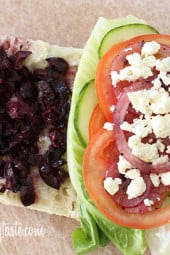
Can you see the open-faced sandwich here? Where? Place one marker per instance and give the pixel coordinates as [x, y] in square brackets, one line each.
[118, 142]
[118, 133]
[36, 80]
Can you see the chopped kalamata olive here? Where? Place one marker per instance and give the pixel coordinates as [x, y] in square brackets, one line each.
[30, 102]
[19, 168]
[2, 165]
[27, 192]
[28, 90]
[54, 154]
[54, 178]
[61, 88]
[59, 64]
[58, 138]
[12, 109]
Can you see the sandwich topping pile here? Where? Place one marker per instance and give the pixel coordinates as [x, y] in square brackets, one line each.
[119, 150]
[34, 108]
[142, 127]
[134, 143]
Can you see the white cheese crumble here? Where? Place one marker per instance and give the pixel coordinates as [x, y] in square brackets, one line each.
[112, 185]
[134, 72]
[168, 149]
[149, 101]
[127, 169]
[163, 64]
[145, 151]
[132, 174]
[165, 77]
[148, 202]
[139, 127]
[138, 68]
[161, 125]
[123, 165]
[136, 188]
[108, 126]
[161, 160]
[150, 48]
[114, 77]
[155, 179]
[165, 178]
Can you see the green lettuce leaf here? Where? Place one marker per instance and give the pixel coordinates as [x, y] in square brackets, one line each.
[89, 237]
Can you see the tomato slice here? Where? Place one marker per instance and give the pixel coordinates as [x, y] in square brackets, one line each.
[97, 159]
[97, 121]
[104, 88]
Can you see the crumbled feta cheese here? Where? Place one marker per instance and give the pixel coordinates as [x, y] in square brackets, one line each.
[140, 101]
[123, 165]
[136, 188]
[165, 178]
[132, 73]
[127, 169]
[165, 77]
[148, 202]
[139, 127]
[150, 48]
[138, 68]
[112, 185]
[114, 78]
[161, 125]
[157, 83]
[132, 174]
[134, 59]
[155, 179]
[145, 151]
[150, 101]
[160, 145]
[156, 98]
[161, 160]
[168, 149]
[149, 61]
[163, 64]
[108, 126]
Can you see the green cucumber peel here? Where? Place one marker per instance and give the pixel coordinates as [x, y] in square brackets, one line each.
[116, 35]
[84, 111]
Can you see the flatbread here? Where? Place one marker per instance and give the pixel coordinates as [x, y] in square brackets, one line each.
[63, 201]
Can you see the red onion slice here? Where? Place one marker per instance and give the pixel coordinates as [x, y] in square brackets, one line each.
[121, 198]
[121, 142]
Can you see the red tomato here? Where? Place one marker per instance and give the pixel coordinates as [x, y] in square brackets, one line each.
[104, 88]
[97, 159]
[97, 121]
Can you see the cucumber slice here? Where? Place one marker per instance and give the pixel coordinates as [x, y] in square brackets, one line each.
[84, 111]
[121, 33]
